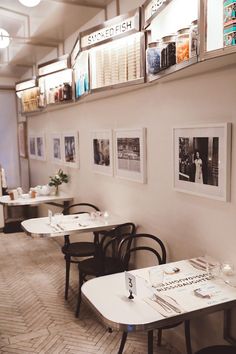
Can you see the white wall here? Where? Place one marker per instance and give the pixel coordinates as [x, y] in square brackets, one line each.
[8, 142]
[188, 225]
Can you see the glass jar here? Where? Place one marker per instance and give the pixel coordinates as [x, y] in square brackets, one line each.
[229, 11]
[168, 51]
[153, 58]
[182, 45]
[230, 34]
[67, 91]
[193, 39]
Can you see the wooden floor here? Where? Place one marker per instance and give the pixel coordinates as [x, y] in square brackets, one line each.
[34, 318]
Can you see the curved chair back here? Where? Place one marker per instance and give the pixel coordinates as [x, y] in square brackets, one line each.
[128, 247]
[80, 208]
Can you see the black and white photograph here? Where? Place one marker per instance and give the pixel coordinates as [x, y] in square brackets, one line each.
[130, 154]
[102, 161]
[32, 146]
[199, 160]
[40, 148]
[56, 149]
[202, 160]
[70, 145]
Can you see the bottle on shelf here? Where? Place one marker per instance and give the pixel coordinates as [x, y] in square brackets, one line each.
[67, 91]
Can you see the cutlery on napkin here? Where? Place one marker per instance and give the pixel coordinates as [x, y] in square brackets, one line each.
[166, 305]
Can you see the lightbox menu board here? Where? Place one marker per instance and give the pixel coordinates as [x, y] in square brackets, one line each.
[115, 51]
[28, 93]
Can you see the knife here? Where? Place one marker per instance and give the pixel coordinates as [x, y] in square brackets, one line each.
[167, 304]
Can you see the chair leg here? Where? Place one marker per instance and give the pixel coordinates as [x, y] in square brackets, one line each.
[67, 258]
[150, 342]
[122, 343]
[81, 280]
[159, 337]
[188, 337]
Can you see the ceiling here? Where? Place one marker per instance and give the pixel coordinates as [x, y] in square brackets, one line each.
[36, 31]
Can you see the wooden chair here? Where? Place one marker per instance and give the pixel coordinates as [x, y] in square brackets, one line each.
[77, 249]
[152, 245]
[105, 261]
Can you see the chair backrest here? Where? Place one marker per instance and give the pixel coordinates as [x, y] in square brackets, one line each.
[80, 208]
[152, 244]
[111, 239]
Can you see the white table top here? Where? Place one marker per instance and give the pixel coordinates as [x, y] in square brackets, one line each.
[120, 313]
[5, 200]
[70, 224]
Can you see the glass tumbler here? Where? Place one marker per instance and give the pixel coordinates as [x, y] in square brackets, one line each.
[156, 276]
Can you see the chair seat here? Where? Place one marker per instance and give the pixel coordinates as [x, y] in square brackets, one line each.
[79, 249]
[92, 266]
[218, 349]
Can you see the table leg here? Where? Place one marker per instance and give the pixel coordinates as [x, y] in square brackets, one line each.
[66, 203]
[188, 336]
[150, 342]
[122, 343]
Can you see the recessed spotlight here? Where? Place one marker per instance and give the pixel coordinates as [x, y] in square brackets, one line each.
[4, 38]
[30, 3]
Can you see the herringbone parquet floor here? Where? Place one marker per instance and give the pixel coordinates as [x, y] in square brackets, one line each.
[34, 318]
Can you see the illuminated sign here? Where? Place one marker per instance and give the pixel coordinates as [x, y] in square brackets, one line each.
[152, 8]
[52, 67]
[25, 85]
[109, 32]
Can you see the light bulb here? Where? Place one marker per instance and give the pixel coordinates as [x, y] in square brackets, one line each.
[4, 38]
[30, 3]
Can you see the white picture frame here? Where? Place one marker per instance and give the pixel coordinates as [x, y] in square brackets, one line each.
[102, 152]
[70, 145]
[56, 148]
[40, 147]
[32, 146]
[201, 158]
[130, 154]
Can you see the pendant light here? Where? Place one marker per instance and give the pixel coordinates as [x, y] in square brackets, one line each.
[4, 38]
[30, 3]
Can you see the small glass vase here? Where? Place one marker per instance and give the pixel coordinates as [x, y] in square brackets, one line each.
[56, 190]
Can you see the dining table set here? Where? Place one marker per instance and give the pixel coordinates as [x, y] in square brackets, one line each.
[142, 299]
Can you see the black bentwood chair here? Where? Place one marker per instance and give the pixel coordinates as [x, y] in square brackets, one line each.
[105, 260]
[218, 349]
[77, 249]
[151, 245]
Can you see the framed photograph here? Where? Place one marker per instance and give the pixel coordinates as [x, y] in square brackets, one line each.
[22, 139]
[130, 154]
[40, 148]
[71, 149]
[32, 146]
[102, 159]
[56, 148]
[202, 160]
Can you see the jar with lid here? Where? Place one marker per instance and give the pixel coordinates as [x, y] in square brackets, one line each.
[193, 36]
[153, 58]
[67, 91]
[168, 51]
[229, 11]
[182, 45]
